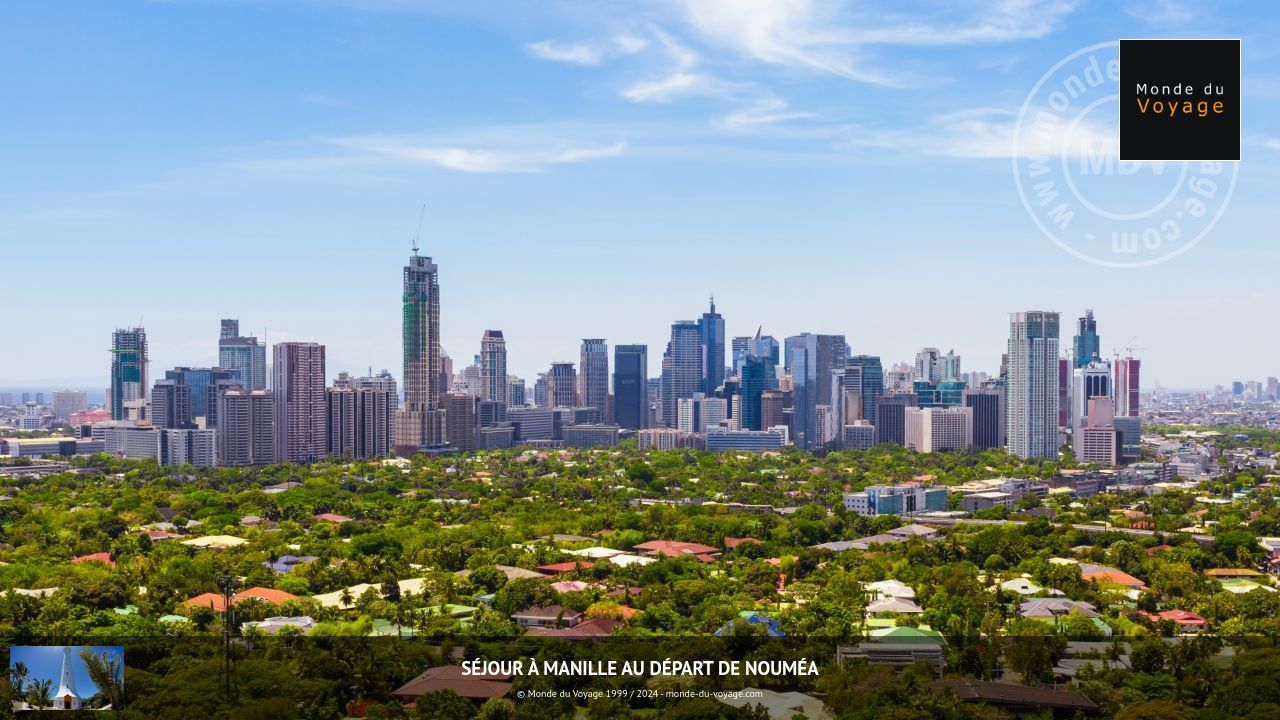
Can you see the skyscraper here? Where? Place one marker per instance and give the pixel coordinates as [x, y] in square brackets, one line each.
[128, 369]
[68, 402]
[460, 421]
[630, 386]
[891, 418]
[871, 387]
[1032, 386]
[711, 337]
[753, 381]
[1088, 382]
[300, 409]
[1086, 347]
[246, 434]
[203, 382]
[417, 422]
[988, 406]
[493, 367]
[242, 355]
[562, 382]
[1128, 386]
[171, 405]
[811, 359]
[593, 374]
[681, 368]
[928, 368]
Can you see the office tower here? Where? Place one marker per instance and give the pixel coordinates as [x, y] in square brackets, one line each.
[6, 399]
[810, 359]
[445, 380]
[775, 406]
[128, 369]
[988, 406]
[593, 377]
[40, 399]
[67, 402]
[1129, 430]
[1128, 386]
[202, 382]
[860, 435]
[243, 355]
[562, 385]
[540, 391]
[1032, 386]
[493, 367]
[459, 421]
[1097, 440]
[928, 368]
[689, 413]
[516, 396]
[1087, 382]
[711, 338]
[417, 422]
[340, 418]
[949, 366]
[246, 427]
[765, 346]
[532, 423]
[938, 429]
[1087, 344]
[891, 418]
[1237, 388]
[171, 405]
[631, 386]
[187, 446]
[754, 377]
[739, 349]
[1273, 390]
[681, 368]
[1065, 368]
[298, 389]
[870, 375]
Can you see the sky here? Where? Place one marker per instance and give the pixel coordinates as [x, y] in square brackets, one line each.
[44, 662]
[593, 169]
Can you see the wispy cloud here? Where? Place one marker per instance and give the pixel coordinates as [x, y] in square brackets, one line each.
[1164, 12]
[986, 133]
[478, 160]
[681, 79]
[766, 111]
[587, 52]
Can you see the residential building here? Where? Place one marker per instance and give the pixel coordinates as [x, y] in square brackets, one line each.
[298, 389]
[417, 422]
[593, 375]
[721, 439]
[246, 427]
[493, 368]
[244, 356]
[591, 435]
[460, 421]
[171, 405]
[938, 429]
[68, 402]
[1032, 384]
[681, 368]
[891, 418]
[859, 436]
[128, 369]
[1128, 371]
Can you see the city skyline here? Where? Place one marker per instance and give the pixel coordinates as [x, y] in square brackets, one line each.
[658, 150]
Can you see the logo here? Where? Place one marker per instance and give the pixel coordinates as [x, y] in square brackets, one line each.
[1097, 207]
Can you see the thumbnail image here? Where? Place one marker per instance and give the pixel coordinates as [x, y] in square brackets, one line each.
[66, 677]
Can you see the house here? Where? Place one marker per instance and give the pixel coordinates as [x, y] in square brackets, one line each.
[1018, 699]
[450, 677]
[216, 601]
[564, 567]
[331, 518]
[626, 559]
[670, 548]
[1024, 586]
[1051, 608]
[512, 573]
[98, 557]
[547, 616]
[597, 628]
[731, 543]
[861, 543]
[1104, 576]
[915, 530]
[751, 617]
[1233, 574]
[890, 589]
[215, 542]
[286, 563]
[273, 625]
[893, 606]
[1187, 621]
[596, 552]
[900, 646]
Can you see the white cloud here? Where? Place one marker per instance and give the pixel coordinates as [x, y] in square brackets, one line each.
[587, 53]
[470, 160]
[767, 111]
[682, 79]
[989, 133]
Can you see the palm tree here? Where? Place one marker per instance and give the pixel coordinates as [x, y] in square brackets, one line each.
[40, 694]
[18, 675]
[107, 673]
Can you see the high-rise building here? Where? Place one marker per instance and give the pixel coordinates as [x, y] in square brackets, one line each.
[949, 366]
[361, 415]
[938, 429]
[891, 418]
[243, 355]
[630, 386]
[869, 378]
[1087, 382]
[928, 368]
[1128, 386]
[128, 369]
[516, 392]
[988, 406]
[811, 359]
[171, 405]
[460, 421]
[774, 407]
[298, 378]
[739, 348]
[711, 338]
[753, 382]
[1096, 440]
[187, 446]
[340, 418]
[1032, 386]
[1086, 347]
[493, 367]
[681, 368]
[202, 382]
[68, 402]
[246, 427]
[1065, 367]
[593, 375]
[562, 382]
[417, 423]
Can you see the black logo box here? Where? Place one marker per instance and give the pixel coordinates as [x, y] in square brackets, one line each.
[1186, 68]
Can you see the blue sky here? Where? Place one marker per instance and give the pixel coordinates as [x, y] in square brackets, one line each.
[45, 663]
[589, 170]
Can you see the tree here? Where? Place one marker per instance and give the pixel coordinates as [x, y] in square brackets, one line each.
[40, 693]
[1156, 710]
[107, 673]
[18, 675]
[443, 705]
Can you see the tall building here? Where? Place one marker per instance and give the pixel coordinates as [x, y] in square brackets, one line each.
[711, 338]
[516, 392]
[891, 418]
[938, 429]
[1086, 347]
[928, 368]
[1065, 367]
[340, 418]
[593, 374]
[246, 427]
[630, 386]
[774, 407]
[202, 382]
[1128, 386]
[681, 368]
[1087, 382]
[1097, 440]
[68, 402]
[562, 382]
[187, 446]
[171, 405]
[870, 377]
[460, 421]
[361, 416]
[243, 355]
[1032, 385]
[128, 369]
[988, 406]
[753, 382]
[298, 379]
[739, 348]
[811, 360]
[493, 367]
[949, 365]
[417, 423]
